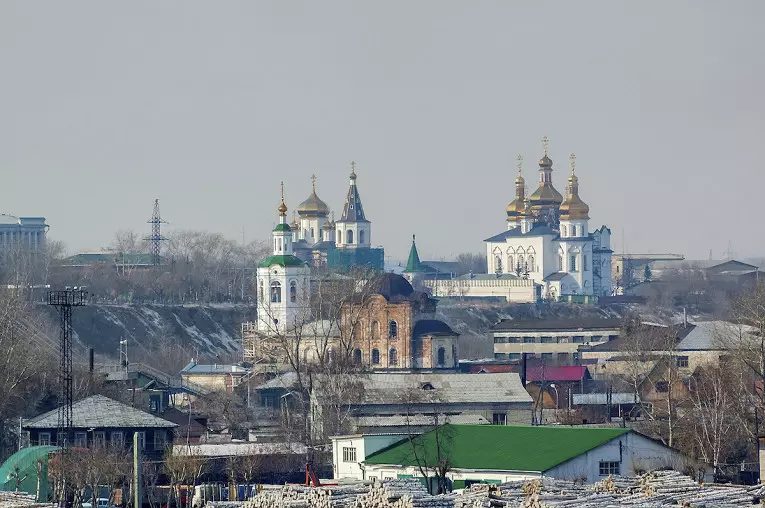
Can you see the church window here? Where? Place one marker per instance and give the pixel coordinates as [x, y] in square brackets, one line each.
[376, 356]
[560, 263]
[276, 292]
[305, 233]
[564, 230]
[375, 331]
[392, 329]
[510, 261]
[293, 292]
[313, 233]
[498, 264]
[262, 289]
[357, 356]
[392, 357]
[349, 236]
[584, 263]
[441, 360]
[572, 268]
[531, 263]
[361, 237]
[521, 264]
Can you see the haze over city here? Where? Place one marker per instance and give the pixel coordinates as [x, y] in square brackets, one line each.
[208, 106]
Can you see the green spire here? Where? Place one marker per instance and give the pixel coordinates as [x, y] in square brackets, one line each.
[413, 264]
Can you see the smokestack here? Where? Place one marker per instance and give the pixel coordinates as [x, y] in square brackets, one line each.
[523, 369]
[685, 318]
[91, 363]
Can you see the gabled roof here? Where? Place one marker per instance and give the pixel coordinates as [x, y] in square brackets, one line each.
[100, 412]
[432, 327]
[500, 447]
[731, 266]
[557, 373]
[539, 229]
[573, 325]
[557, 276]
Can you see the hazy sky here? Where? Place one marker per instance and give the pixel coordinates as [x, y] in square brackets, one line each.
[208, 105]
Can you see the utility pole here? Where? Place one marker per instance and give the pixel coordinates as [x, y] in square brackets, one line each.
[137, 499]
[156, 237]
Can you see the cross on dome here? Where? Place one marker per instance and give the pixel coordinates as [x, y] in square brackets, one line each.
[572, 158]
[545, 143]
[520, 162]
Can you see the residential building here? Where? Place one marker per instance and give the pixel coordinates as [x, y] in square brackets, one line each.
[554, 341]
[348, 452]
[547, 251]
[214, 377]
[99, 420]
[495, 454]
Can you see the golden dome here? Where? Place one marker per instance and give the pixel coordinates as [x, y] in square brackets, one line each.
[514, 209]
[546, 194]
[545, 161]
[573, 207]
[313, 206]
[282, 209]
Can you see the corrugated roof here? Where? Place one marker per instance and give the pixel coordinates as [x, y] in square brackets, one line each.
[557, 373]
[712, 335]
[419, 420]
[100, 412]
[500, 447]
[600, 399]
[447, 387]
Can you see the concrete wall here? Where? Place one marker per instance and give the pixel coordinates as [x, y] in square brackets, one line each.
[365, 446]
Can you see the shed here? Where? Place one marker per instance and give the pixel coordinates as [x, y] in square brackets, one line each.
[26, 462]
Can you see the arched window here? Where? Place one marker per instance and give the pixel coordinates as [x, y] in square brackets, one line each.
[441, 357]
[293, 292]
[376, 356]
[564, 230]
[392, 357]
[313, 235]
[560, 262]
[375, 331]
[349, 236]
[357, 356]
[573, 230]
[305, 233]
[531, 263]
[392, 329]
[498, 264]
[510, 264]
[276, 292]
[521, 263]
[262, 290]
[361, 237]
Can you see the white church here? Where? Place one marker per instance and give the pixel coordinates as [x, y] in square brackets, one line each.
[546, 252]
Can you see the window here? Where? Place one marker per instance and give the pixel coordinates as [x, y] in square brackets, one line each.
[349, 454]
[514, 340]
[393, 357]
[375, 331]
[612, 337]
[276, 292]
[293, 292]
[500, 356]
[376, 356]
[441, 357]
[99, 438]
[662, 386]
[118, 439]
[564, 231]
[43, 438]
[606, 468]
[500, 340]
[261, 291]
[547, 356]
[160, 440]
[575, 358]
[560, 263]
[313, 233]
[529, 340]
[510, 262]
[80, 439]
[141, 440]
[521, 263]
[547, 340]
[349, 236]
[361, 236]
[499, 419]
[562, 358]
[61, 439]
[682, 361]
[578, 339]
[357, 356]
[530, 264]
[572, 268]
[392, 329]
[584, 262]
[596, 338]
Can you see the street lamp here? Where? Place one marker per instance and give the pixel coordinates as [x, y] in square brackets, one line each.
[557, 397]
[123, 352]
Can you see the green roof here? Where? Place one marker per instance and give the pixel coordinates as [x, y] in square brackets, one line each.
[500, 447]
[282, 227]
[26, 460]
[282, 261]
[413, 263]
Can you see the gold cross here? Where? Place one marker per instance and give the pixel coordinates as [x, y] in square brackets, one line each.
[520, 162]
[545, 143]
[572, 158]
[282, 191]
[313, 181]
[353, 166]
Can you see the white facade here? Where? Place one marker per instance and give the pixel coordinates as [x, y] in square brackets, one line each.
[348, 452]
[28, 233]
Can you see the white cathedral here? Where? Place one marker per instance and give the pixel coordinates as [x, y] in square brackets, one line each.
[547, 250]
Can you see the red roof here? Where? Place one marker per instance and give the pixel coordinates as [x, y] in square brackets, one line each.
[475, 369]
[550, 373]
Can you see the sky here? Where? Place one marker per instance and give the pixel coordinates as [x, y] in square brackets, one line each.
[207, 106]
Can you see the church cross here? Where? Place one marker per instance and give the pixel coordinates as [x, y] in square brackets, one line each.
[545, 143]
[572, 158]
[282, 191]
[520, 162]
[313, 181]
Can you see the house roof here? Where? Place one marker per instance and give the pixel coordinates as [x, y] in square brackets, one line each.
[100, 412]
[731, 266]
[281, 260]
[557, 373]
[574, 324]
[539, 229]
[194, 368]
[431, 327]
[500, 447]
[414, 420]
[711, 335]
[284, 381]
[445, 387]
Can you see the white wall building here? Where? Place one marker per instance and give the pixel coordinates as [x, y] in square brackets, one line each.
[547, 245]
[28, 233]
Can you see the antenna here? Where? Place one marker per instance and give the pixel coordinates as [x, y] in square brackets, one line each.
[156, 237]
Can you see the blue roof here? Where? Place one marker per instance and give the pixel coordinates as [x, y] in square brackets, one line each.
[537, 230]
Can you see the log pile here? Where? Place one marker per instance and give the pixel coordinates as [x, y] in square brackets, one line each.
[653, 490]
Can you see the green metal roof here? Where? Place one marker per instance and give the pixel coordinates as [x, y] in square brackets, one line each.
[413, 263]
[282, 261]
[282, 227]
[499, 447]
[26, 460]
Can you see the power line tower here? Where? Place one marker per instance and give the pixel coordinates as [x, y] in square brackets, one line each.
[156, 237]
[64, 301]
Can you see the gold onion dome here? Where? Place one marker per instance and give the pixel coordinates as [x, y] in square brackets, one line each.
[282, 209]
[517, 205]
[313, 206]
[573, 207]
